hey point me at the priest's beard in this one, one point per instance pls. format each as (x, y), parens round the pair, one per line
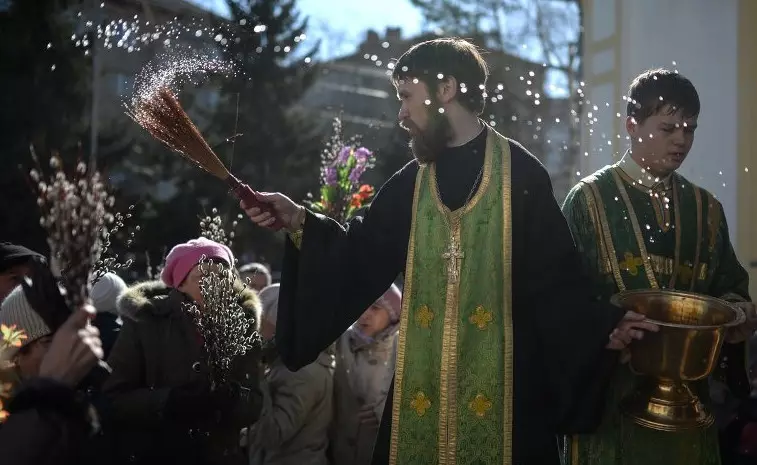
(428, 143)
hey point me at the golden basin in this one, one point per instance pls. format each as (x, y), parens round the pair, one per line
(686, 348)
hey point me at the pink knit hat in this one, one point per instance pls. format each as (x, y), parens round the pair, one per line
(391, 301)
(183, 257)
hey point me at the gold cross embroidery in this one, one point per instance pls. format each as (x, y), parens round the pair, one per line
(631, 263)
(481, 317)
(480, 405)
(420, 403)
(453, 255)
(424, 316)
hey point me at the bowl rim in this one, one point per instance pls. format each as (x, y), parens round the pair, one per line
(740, 316)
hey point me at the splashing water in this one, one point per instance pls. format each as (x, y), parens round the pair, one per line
(173, 70)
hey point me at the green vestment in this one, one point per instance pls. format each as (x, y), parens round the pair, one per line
(454, 373)
(634, 237)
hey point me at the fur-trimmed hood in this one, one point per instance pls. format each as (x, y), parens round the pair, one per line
(160, 300)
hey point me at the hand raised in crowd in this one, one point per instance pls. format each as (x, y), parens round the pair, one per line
(631, 327)
(745, 330)
(288, 212)
(75, 349)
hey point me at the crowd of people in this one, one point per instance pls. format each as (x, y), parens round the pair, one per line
(154, 402)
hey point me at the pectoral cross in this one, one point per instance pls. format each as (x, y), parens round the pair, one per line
(453, 255)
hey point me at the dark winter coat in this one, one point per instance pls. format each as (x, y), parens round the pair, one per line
(49, 424)
(158, 353)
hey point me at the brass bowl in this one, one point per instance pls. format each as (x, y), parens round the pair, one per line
(686, 348)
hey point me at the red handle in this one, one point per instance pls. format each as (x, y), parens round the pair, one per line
(245, 193)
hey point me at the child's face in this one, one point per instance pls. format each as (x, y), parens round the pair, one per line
(662, 142)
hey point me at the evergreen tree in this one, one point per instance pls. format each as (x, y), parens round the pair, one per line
(276, 147)
(45, 82)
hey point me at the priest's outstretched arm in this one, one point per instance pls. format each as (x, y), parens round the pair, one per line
(333, 273)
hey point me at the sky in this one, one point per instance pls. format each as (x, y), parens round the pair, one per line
(341, 24)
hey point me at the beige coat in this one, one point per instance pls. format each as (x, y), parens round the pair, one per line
(296, 417)
(363, 377)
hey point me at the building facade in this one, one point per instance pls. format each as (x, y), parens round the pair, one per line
(711, 43)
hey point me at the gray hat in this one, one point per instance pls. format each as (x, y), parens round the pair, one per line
(106, 291)
(16, 310)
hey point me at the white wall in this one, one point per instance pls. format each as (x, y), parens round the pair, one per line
(701, 37)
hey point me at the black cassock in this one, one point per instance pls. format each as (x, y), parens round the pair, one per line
(560, 364)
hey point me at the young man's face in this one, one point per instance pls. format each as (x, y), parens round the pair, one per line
(662, 142)
(12, 278)
(419, 115)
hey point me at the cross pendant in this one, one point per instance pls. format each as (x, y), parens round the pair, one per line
(453, 255)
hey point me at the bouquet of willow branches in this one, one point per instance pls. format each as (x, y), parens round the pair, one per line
(227, 329)
(343, 163)
(76, 213)
(211, 227)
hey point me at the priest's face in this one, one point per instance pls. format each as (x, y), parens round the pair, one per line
(429, 129)
(662, 141)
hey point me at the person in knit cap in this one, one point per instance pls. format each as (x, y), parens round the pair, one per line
(162, 404)
(104, 295)
(14, 265)
(365, 357)
(16, 311)
(297, 406)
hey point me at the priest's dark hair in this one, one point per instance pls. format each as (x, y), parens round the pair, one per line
(661, 89)
(454, 57)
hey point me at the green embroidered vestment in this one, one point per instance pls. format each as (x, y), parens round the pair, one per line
(631, 238)
(453, 389)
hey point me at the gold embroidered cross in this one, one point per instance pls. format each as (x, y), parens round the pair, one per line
(631, 263)
(481, 317)
(420, 403)
(453, 255)
(424, 316)
(480, 405)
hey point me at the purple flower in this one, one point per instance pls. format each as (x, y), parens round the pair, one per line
(329, 176)
(362, 155)
(356, 172)
(344, 155)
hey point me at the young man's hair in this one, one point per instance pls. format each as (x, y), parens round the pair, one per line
(446, 57)
(658, 89)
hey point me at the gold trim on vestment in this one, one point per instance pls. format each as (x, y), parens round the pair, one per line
(603, 256)
(404, 319)
(507, 320)
(677, 251)
(448, 371)
(694, 275)
(713, 220)
(636, 229)
(611, 253)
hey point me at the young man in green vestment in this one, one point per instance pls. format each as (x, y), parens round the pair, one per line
(498, 334)
(639, 224)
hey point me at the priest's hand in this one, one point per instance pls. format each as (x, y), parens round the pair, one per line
(631, 327)
(745, 330)
(291, 215)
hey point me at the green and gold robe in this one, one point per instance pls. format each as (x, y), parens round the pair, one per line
(453, 388)
(638, 233)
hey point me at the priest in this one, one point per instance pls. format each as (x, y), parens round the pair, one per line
(499, 335)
